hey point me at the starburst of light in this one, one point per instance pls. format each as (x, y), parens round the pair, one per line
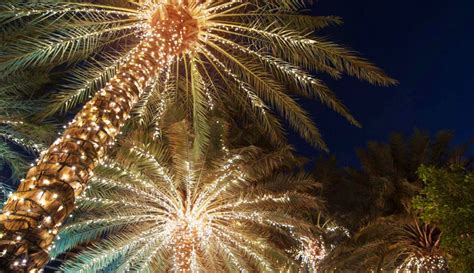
(184, 214)
(312, 250)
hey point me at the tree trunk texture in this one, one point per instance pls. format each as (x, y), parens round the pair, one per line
(185, 244)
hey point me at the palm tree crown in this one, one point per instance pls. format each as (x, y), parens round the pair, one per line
(244, 56)
(395, 244)
(154, 207)
(387, 235)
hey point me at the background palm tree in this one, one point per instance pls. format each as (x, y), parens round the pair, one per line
(394, 244)
(258, 51)
(388, 180)
(386, 234)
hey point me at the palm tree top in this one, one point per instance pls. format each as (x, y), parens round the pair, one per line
(245, 58)
(152, 206)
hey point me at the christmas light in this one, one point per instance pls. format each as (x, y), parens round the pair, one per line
(180, 211)
(431, 263)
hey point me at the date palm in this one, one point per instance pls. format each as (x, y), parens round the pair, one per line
(388, 181)
(249, 55)
(387, 235)
(155, 207)
(390, 245)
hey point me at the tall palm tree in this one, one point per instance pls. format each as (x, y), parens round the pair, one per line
(237, 54)
(80, 232)
(155, 207)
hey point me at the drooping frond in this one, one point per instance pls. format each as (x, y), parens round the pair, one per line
(82, 82)
(21, 140)
(14, 160)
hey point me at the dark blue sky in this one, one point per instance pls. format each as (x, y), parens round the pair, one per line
(427, 45)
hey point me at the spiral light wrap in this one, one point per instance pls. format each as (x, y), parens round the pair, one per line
(43, 201)
(185, 239)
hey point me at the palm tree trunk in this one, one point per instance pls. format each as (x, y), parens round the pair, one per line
(184, 243)
(33, 214)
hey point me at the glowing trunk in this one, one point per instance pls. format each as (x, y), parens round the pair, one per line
(43, 201)
(185, 245)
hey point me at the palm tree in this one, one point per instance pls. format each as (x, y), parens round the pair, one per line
(386, 233)
(313, 249)
(154, 207)
(242, 55)
(390, 245)
(388, 180)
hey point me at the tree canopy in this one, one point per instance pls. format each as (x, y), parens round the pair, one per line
(447, 201)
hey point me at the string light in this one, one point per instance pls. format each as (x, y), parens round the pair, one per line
(431, 263)
(313, 249)
(183, 208)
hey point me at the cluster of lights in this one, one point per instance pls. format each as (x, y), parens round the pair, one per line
(11, 122)
(303, 79)
(181, 210)
(187, 235)
(312, 251)
(255, 100)
(45, 9)
(163, 94)
(36, 147)
(431, 263)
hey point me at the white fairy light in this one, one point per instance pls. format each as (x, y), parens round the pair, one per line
(185, 215)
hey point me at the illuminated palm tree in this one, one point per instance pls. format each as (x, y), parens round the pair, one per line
(390, 245)
(154, 207)
(313, 250)
(244, 55)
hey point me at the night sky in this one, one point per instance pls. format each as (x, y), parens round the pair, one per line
(425, 44)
